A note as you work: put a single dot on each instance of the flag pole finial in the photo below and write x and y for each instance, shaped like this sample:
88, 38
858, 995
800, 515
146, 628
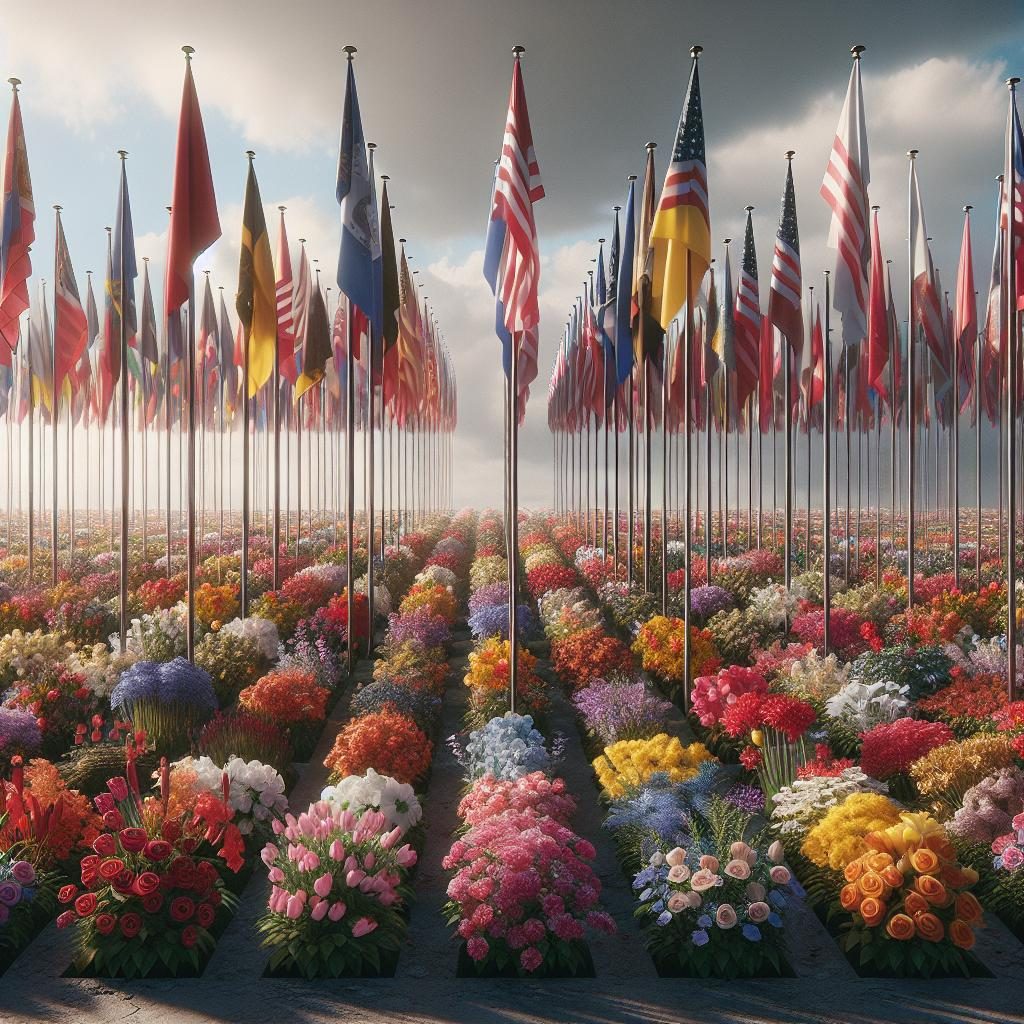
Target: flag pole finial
123, 154
651, 146
726, 241
402, 240
350, 52
518, 51
630, 177
912, 153
15, 82
600, 241
250, 155
749, 209
188, 51
876, 208
616, 208
857, 50
385, 177
696, 50
790, 153
302, 241
968, 208
1012, 81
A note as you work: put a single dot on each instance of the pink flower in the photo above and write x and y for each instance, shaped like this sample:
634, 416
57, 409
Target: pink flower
758, 912
363, 927
755, 891
530, 959
337, 911
319, 912
677, 902
679, 873
726, 916
293, 908
738, 869
1012, 858
477, 948
322, 886
709, 862
780, 874
703, 879
776, 852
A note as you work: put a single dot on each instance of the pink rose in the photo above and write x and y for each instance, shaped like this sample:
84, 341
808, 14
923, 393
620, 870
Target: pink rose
738, 869
758, 912
780, 874
709, 862
703, 879
754, 891
675, 857
726, 916
678, 873
677, 902
1012, 858
776, 852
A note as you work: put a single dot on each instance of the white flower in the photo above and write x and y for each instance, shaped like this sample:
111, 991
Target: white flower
395, 800
864, 705
262, 631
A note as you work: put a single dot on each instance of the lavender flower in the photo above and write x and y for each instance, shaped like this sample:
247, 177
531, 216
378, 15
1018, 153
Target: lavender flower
706, 601
616, 710
172, 682
746, 798
421, 626
492, 620
487, 595
19, 733
420, 705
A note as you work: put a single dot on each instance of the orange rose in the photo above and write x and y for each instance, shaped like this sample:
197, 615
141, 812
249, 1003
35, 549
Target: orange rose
932, 890
914, 903
871, 884
872, 910
929, 927
852, 870
849, 897
892, 876
961, 934
900, 927
878, 861
924, 861
968, 908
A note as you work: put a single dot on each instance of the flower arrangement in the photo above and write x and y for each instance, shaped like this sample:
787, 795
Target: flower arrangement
629, 763
162, 592
374, 792
488, 681
25, 655
660, 644
798, 807
412, 666
245, 734
709, 600
157, 636
545, 577
386, 741
905, 908
716, 908
419, 704
839, 837
814, 677
58, 699
967, 700
437, 599
890, 748
923, 670
990, 806
507, 747
26, 900
422, 627
944, 775
262, 632
232, 660
82, 622
287, 696
216, 604
148, 898
620, 708
588, 655
534, 793
862, 705
713, 694
168, 701
845, 635
337, 889
278, 609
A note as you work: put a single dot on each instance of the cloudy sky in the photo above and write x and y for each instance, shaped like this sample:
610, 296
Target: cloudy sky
602, 80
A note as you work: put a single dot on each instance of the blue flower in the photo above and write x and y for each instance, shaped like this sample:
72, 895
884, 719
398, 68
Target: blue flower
646, 894
752, 933
663, 918
658, 907
796, 888
176, 682
774, 920
700, 937
704, 921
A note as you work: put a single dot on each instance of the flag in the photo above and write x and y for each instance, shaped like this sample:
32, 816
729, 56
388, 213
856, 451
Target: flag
623, 295
109, 361
256, 301
748, 320
285, 308
879, 342
390, 299
123, 269
17, 233
206, 334
814, 374
194, 225
359, 256
228, 366
648, 334
766, 376
1015, 195
994, 333
607, 314
845, 189
39, 357
965, 322
786, 289
927, 311
683, 221
511, 255
149, 347
723, 341
71, 337
317, 344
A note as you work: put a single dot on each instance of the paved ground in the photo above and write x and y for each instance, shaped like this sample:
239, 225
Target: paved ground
625, 989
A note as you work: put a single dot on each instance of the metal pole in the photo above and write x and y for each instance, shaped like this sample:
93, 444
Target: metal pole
1010, 312
911, 398
826, 478
55, 402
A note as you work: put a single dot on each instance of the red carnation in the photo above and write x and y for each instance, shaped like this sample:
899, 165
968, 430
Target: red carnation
189, 936
750, 758
152, 902
171, 830
131, 924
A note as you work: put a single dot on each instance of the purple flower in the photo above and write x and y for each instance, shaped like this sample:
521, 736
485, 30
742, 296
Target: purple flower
706, 601
492, 620
421, 626
700, 937
746, 798
171, 682
486, 596
23, 872
19, 732
10, 893
617, 710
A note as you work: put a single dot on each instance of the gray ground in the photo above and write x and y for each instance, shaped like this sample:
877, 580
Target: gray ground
625, 989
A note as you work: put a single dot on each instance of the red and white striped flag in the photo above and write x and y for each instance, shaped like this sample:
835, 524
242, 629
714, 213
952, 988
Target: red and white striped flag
845, 189
965, 318
747, 321
285, 308
879, 342
784, 307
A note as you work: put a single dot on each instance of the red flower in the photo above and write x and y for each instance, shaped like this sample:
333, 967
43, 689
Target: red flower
67, 893
147, 882
111, 868
158, 850
892, 747
118, 788
66, 919
171, 830
105, 923
205, 914
182, 909
133, 840
152, 902
112, 820
131, 924
85, 904
105, 844
750, 758
189, 936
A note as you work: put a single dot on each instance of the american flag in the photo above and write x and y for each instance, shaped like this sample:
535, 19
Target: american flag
512, 259
845, 189
285, 309
1016, 138
748, 320
784, 309
17, 233
994, 332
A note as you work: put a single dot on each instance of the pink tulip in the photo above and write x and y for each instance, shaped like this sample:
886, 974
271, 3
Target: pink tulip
337, 911
294, 907
390, 838
319, 912
354, 877
369, 860
269, 854
337, 850
275, 874
363, 927
322, 886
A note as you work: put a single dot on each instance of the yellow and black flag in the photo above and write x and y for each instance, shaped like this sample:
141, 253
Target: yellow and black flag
256, 301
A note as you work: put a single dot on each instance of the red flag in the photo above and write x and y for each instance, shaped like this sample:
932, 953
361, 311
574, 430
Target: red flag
194, 225
766, 375
965, 323
71, 328
879, 342
814, 375
285, 308
17, 233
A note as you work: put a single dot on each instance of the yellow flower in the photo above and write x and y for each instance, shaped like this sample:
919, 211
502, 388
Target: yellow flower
946, 773
839, 837
629, 763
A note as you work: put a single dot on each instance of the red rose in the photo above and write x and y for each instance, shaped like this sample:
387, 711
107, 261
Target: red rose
205, 915
66, 919
158, 849
171, 830
85, 904
214, 898
105, 923
113, 820
152, 902
125, 881
131, 924
189, 936
111, 868
147, 882
182, 909
133, 839
119, 791
189, 844
104, 844
67, 893
90, 861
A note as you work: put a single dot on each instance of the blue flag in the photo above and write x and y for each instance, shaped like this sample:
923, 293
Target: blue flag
624, 295
359, 258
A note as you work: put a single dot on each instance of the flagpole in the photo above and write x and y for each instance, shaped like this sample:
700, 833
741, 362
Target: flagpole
956, 449
31, 464
826, 479
911, 397
695, 52
1010, 312
707, 516
807, 413
977, 460
167, 421
125, 455
55, 401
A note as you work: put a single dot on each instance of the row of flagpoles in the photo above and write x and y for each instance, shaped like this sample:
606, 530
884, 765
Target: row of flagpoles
659, 339
297, 363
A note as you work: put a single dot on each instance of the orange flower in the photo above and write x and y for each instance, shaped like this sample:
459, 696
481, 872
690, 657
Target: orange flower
968, 908
287, 696
892, 876
872, 910
929, 927
390, 743
914, 903
849, 897
924, 861
961, 934
853, 870
878, 861
932, 890
900, 927
871, 884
